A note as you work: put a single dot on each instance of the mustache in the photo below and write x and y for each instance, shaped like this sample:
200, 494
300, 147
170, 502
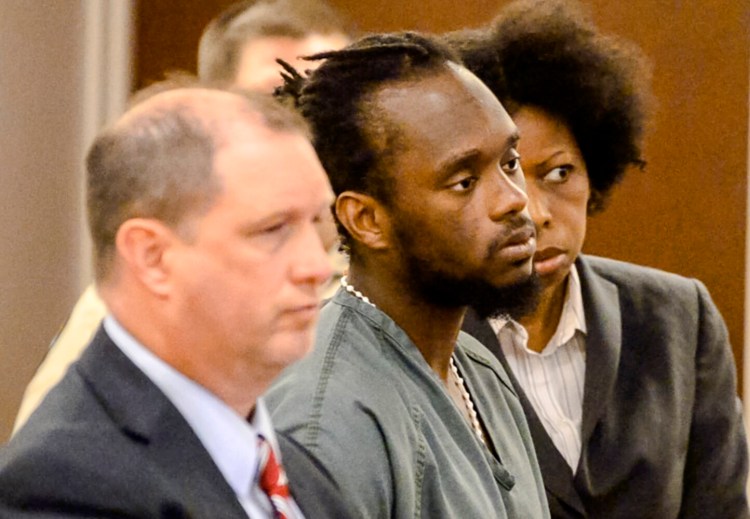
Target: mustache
513, 225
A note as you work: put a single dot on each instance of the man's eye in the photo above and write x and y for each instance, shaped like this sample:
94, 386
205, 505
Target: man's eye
512, 165
558, 175
272, 237
272, 229
464, 184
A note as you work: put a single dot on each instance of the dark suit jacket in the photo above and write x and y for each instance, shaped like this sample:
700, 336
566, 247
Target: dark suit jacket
662, 433
107, 443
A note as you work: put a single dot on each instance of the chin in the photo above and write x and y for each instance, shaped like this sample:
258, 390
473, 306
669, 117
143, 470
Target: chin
295, 346
515, 298
552, 280
512, 276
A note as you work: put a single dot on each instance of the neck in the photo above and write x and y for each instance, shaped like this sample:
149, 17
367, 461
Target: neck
234, 381
542, 324
432, 329
230, 383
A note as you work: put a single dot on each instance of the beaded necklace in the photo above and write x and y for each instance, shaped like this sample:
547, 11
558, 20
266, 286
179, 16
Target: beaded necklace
457, 379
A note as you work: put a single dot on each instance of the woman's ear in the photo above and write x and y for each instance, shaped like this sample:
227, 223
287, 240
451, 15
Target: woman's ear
365, 218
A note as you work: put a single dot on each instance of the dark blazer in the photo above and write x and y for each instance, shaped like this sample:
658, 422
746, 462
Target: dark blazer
662, 432
106, 442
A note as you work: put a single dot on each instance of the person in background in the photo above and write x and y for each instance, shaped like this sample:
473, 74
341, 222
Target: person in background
202, 207
625, 373
238, 49
241, 45
411, 417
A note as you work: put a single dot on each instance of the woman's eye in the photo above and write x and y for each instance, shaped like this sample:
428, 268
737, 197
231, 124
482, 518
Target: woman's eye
558, 174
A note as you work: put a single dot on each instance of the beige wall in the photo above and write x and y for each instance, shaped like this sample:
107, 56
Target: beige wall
65, 71
40, 92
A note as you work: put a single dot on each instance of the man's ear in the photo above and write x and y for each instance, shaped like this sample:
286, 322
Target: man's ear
142, 243
365, 218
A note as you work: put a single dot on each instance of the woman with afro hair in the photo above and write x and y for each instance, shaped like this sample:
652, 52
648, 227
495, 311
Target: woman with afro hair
625, 373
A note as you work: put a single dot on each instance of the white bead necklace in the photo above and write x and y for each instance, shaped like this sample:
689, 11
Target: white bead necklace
353, 291
458, 380
468, 402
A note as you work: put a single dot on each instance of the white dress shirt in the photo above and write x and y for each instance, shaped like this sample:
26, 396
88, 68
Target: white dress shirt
553, 378
231, 441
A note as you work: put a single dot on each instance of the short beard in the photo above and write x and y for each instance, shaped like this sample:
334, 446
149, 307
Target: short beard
515, 300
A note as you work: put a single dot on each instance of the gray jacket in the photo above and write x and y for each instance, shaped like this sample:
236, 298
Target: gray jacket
662, 430
368, 406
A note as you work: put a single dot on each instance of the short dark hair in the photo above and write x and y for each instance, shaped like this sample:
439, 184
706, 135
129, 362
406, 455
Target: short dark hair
335, 100
548, 54
157, 161
224, 37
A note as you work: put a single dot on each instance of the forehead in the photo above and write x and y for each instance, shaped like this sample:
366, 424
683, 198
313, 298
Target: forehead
444, 114
257, 68
542, 133
267, 170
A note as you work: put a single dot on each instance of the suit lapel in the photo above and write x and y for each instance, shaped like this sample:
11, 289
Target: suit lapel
558, 478
146, 416
603, 344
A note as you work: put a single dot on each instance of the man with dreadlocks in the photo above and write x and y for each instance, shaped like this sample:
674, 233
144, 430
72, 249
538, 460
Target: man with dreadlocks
412, 417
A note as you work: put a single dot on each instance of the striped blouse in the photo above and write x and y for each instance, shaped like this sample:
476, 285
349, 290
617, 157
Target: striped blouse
553, 378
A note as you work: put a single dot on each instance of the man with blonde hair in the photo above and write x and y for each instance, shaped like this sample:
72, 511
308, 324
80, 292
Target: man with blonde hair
203, 207
238, 48
241, 45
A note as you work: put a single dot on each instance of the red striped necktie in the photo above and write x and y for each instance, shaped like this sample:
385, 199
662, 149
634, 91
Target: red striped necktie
273, 481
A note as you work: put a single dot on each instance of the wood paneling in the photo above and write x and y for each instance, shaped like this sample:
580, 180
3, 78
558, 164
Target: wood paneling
167, 35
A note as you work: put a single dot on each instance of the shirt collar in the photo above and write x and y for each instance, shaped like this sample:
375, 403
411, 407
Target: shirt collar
231, 441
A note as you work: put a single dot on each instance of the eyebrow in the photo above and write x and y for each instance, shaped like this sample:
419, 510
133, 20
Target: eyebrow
554, 157
461, 160
284, 214
457, 162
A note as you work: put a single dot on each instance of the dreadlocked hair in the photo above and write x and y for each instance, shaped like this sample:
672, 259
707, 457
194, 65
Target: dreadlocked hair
547, 54
336, 98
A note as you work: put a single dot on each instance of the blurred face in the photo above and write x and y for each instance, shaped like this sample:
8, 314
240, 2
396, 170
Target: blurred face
458, 205
258, 71
248, 274
558, 187
257, 68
